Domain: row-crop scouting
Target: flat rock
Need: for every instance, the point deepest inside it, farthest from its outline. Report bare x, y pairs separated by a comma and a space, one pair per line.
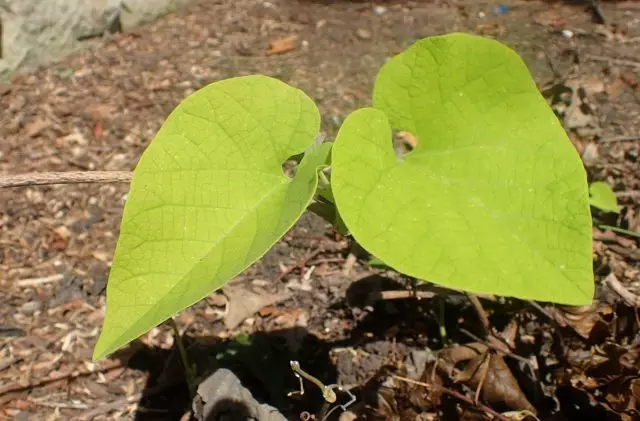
221, 397
36, 32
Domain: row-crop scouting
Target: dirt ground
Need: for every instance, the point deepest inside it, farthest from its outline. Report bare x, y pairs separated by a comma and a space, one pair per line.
313, 297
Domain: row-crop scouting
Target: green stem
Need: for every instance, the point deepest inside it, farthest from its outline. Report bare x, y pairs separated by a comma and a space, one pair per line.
189, 371
620, 230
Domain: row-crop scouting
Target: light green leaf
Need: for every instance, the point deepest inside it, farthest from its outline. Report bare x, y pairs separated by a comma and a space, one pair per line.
603, 198
493, 199
208, 198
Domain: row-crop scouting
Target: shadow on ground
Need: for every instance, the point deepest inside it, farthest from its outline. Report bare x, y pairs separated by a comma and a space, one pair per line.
261, 360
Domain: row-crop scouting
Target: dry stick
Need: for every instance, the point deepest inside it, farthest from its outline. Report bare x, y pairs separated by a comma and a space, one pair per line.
69, 177
499, 348
108, 407
616, 61
12, 388
631, 299
301, 263
482, 315
403, 294
455, 394
627, 193
630, 138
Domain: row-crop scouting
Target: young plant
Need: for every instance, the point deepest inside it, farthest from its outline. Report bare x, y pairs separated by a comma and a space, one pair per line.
603, 198
493, 199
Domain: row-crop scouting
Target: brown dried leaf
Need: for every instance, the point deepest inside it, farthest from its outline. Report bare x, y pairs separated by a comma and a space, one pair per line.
281, 46
497, 382
35, 127
100, 112
460, 353
582, 319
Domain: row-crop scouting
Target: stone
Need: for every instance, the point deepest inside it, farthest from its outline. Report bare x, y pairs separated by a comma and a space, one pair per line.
363, 34
37, 32
221, 396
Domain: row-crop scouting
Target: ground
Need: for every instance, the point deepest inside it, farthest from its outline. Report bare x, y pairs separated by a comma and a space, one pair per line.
313, 297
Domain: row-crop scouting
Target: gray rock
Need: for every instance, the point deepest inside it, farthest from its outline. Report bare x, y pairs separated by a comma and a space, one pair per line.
221, 397
36, 32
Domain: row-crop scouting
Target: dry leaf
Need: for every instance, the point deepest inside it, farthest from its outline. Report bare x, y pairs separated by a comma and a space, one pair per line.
35, 127
101, 111
281, 46
498, 386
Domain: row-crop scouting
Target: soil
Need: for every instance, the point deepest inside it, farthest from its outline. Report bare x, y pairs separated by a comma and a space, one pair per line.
99, 109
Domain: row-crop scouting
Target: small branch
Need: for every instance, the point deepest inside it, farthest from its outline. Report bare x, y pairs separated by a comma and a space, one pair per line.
630, 138
71, 177
402, 294
496, 345
615, 61
12, 388
631, 299
598, 13
482, 315
628, 193
456, 395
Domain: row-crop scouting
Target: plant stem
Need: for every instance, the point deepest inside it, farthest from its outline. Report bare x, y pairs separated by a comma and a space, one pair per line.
620, 230
68, 177
189, 372
455, 394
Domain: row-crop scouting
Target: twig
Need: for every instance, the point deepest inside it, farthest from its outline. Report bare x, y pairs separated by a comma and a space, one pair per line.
598, 13
482, 315
630, 138
65, 405
32, 282
402, 294
545, 313
108, 407
628, 193
497, 346
69, 177
11, 388
616, 61
614, 284
455, 394
301, 263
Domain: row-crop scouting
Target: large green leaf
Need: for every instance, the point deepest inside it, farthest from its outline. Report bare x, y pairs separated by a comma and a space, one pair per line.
208, 198
494, 197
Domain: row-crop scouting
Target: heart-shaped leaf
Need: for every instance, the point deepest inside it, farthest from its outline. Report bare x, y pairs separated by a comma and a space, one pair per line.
208, 198
494, 197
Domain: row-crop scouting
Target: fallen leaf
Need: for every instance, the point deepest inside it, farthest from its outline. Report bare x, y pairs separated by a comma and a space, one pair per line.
244, 302
101, 111
490, 29
35, 127
498, 386
281, 46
